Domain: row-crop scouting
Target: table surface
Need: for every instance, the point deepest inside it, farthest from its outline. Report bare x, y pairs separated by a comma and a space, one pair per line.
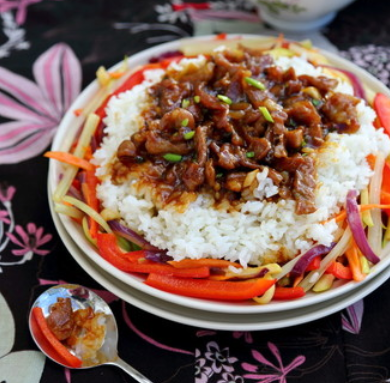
38, 39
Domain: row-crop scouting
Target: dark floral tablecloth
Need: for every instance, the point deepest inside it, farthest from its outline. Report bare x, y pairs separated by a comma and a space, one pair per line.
49, 51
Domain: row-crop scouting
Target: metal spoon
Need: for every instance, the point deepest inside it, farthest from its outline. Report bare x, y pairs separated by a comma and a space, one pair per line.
82, 298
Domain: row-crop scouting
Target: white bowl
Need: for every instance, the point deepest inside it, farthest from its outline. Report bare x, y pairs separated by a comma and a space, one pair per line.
64, 139
299, 15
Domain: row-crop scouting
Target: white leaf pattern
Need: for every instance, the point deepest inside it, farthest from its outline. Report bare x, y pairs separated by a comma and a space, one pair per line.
22, 367
7, 328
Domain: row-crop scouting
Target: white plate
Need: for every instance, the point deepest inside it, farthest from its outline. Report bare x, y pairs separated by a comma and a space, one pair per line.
63, 140
208, 319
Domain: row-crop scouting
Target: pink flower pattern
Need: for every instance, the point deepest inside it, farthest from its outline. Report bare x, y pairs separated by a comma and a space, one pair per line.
36, 108
6, 193
30, 240
280, 371
19, 5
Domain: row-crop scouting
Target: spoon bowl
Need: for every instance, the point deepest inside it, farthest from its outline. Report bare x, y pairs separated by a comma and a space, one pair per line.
83, 298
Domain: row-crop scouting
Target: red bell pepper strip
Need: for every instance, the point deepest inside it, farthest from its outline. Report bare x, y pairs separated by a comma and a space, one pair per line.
287, 293
385, 199
382, 109
65, 355
314, 264
109, 250
339, 270
211, 289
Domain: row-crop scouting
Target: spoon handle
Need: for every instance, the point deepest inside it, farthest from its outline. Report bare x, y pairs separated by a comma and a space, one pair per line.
130, 370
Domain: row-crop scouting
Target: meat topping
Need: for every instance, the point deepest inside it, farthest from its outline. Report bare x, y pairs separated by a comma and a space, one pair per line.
209, 126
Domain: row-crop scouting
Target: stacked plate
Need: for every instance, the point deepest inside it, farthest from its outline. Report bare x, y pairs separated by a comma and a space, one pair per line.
197, 312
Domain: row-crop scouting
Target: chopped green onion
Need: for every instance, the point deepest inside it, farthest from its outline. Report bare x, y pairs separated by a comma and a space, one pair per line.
257, 84
189, 135
292, 123
185, 103
225, 99
172, 157
219, 175
266, 113
250, 154
184, 122
197, 99
315, 102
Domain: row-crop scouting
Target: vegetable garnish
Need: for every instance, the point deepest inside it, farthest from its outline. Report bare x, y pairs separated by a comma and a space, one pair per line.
109, 250
266, 113
189, 135
184, 122
206, 288
172, 157
256, 83
282, 293
65, 355
197, 99
382, 108
225, 99
250, 154
130, 235
355, 223
304, 261
185, 103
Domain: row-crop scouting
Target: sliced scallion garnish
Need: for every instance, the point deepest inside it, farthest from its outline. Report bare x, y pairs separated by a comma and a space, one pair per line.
256, 83
172, 157
184, 122
315, 102
225, 99
189, 135
185, 103
250, 154
266, 113
197, 99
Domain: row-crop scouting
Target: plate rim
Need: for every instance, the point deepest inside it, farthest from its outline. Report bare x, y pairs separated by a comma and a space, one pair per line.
135, 281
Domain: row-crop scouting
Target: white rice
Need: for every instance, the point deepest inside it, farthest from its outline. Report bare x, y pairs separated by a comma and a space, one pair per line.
261, 231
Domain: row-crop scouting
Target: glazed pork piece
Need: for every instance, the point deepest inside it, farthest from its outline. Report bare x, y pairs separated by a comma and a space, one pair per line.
208, 129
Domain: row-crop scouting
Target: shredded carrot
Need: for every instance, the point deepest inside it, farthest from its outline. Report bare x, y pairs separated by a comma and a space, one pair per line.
298, 279
89, 191
371, 161
78, 112
343, 214
70, 159
117, 74
352, 255
88, 153
209, 262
